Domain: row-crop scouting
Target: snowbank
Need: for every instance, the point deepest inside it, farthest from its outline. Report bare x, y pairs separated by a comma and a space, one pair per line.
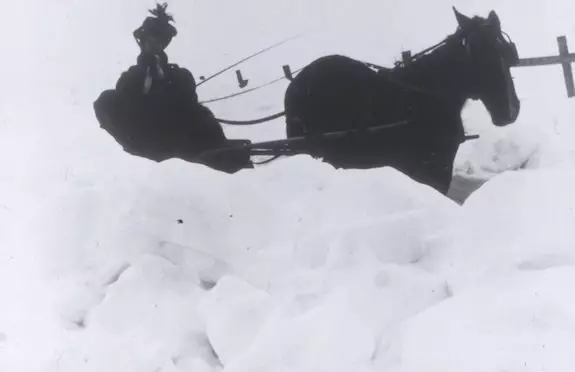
516, 221
184, 267
520, 322
130, 278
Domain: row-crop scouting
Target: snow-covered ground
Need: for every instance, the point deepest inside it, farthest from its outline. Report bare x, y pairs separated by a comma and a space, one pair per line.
113, 263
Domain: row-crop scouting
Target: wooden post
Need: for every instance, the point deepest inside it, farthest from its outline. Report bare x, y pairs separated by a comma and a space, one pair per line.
566, 64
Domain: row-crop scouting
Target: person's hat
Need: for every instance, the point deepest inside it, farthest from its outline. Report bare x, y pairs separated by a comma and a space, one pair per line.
158, 26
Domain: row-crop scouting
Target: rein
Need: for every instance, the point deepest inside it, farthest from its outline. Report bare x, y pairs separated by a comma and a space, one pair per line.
232, 95
247, 58
387, 76
371, 65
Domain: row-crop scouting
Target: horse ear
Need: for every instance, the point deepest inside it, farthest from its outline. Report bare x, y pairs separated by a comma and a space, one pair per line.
463, 20
493, 20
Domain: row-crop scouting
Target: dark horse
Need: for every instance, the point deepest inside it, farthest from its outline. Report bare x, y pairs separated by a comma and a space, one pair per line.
336, 93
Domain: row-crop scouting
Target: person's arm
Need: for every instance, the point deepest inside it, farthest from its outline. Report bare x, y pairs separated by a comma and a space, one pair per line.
188, 84
130, 81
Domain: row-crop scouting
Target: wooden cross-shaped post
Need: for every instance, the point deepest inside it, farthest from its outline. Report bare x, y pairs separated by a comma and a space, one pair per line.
564, 59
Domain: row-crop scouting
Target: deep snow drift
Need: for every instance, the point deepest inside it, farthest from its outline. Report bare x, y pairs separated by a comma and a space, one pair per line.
362, 270
113, 263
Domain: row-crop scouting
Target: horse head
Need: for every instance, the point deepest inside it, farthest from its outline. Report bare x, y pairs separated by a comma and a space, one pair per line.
490, 56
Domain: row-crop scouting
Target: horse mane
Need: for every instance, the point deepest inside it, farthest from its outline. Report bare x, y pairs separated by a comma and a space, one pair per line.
459, 33
422, 71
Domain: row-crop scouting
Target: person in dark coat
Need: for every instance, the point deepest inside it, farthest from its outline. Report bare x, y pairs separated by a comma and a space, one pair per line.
154, 111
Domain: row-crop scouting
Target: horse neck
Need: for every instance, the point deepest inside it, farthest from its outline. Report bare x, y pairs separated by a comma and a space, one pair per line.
443, 72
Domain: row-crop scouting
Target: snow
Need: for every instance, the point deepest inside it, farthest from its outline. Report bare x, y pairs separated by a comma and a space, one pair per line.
112, 263
523, 322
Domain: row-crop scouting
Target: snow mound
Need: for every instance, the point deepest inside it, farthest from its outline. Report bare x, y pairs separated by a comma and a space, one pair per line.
133, 284
524, 322
516, 221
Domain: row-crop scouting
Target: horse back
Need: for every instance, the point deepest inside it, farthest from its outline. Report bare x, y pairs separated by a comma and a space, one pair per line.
337, 93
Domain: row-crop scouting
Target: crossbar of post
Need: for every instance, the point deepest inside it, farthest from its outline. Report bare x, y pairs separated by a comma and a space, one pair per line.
543, 61
564, 59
